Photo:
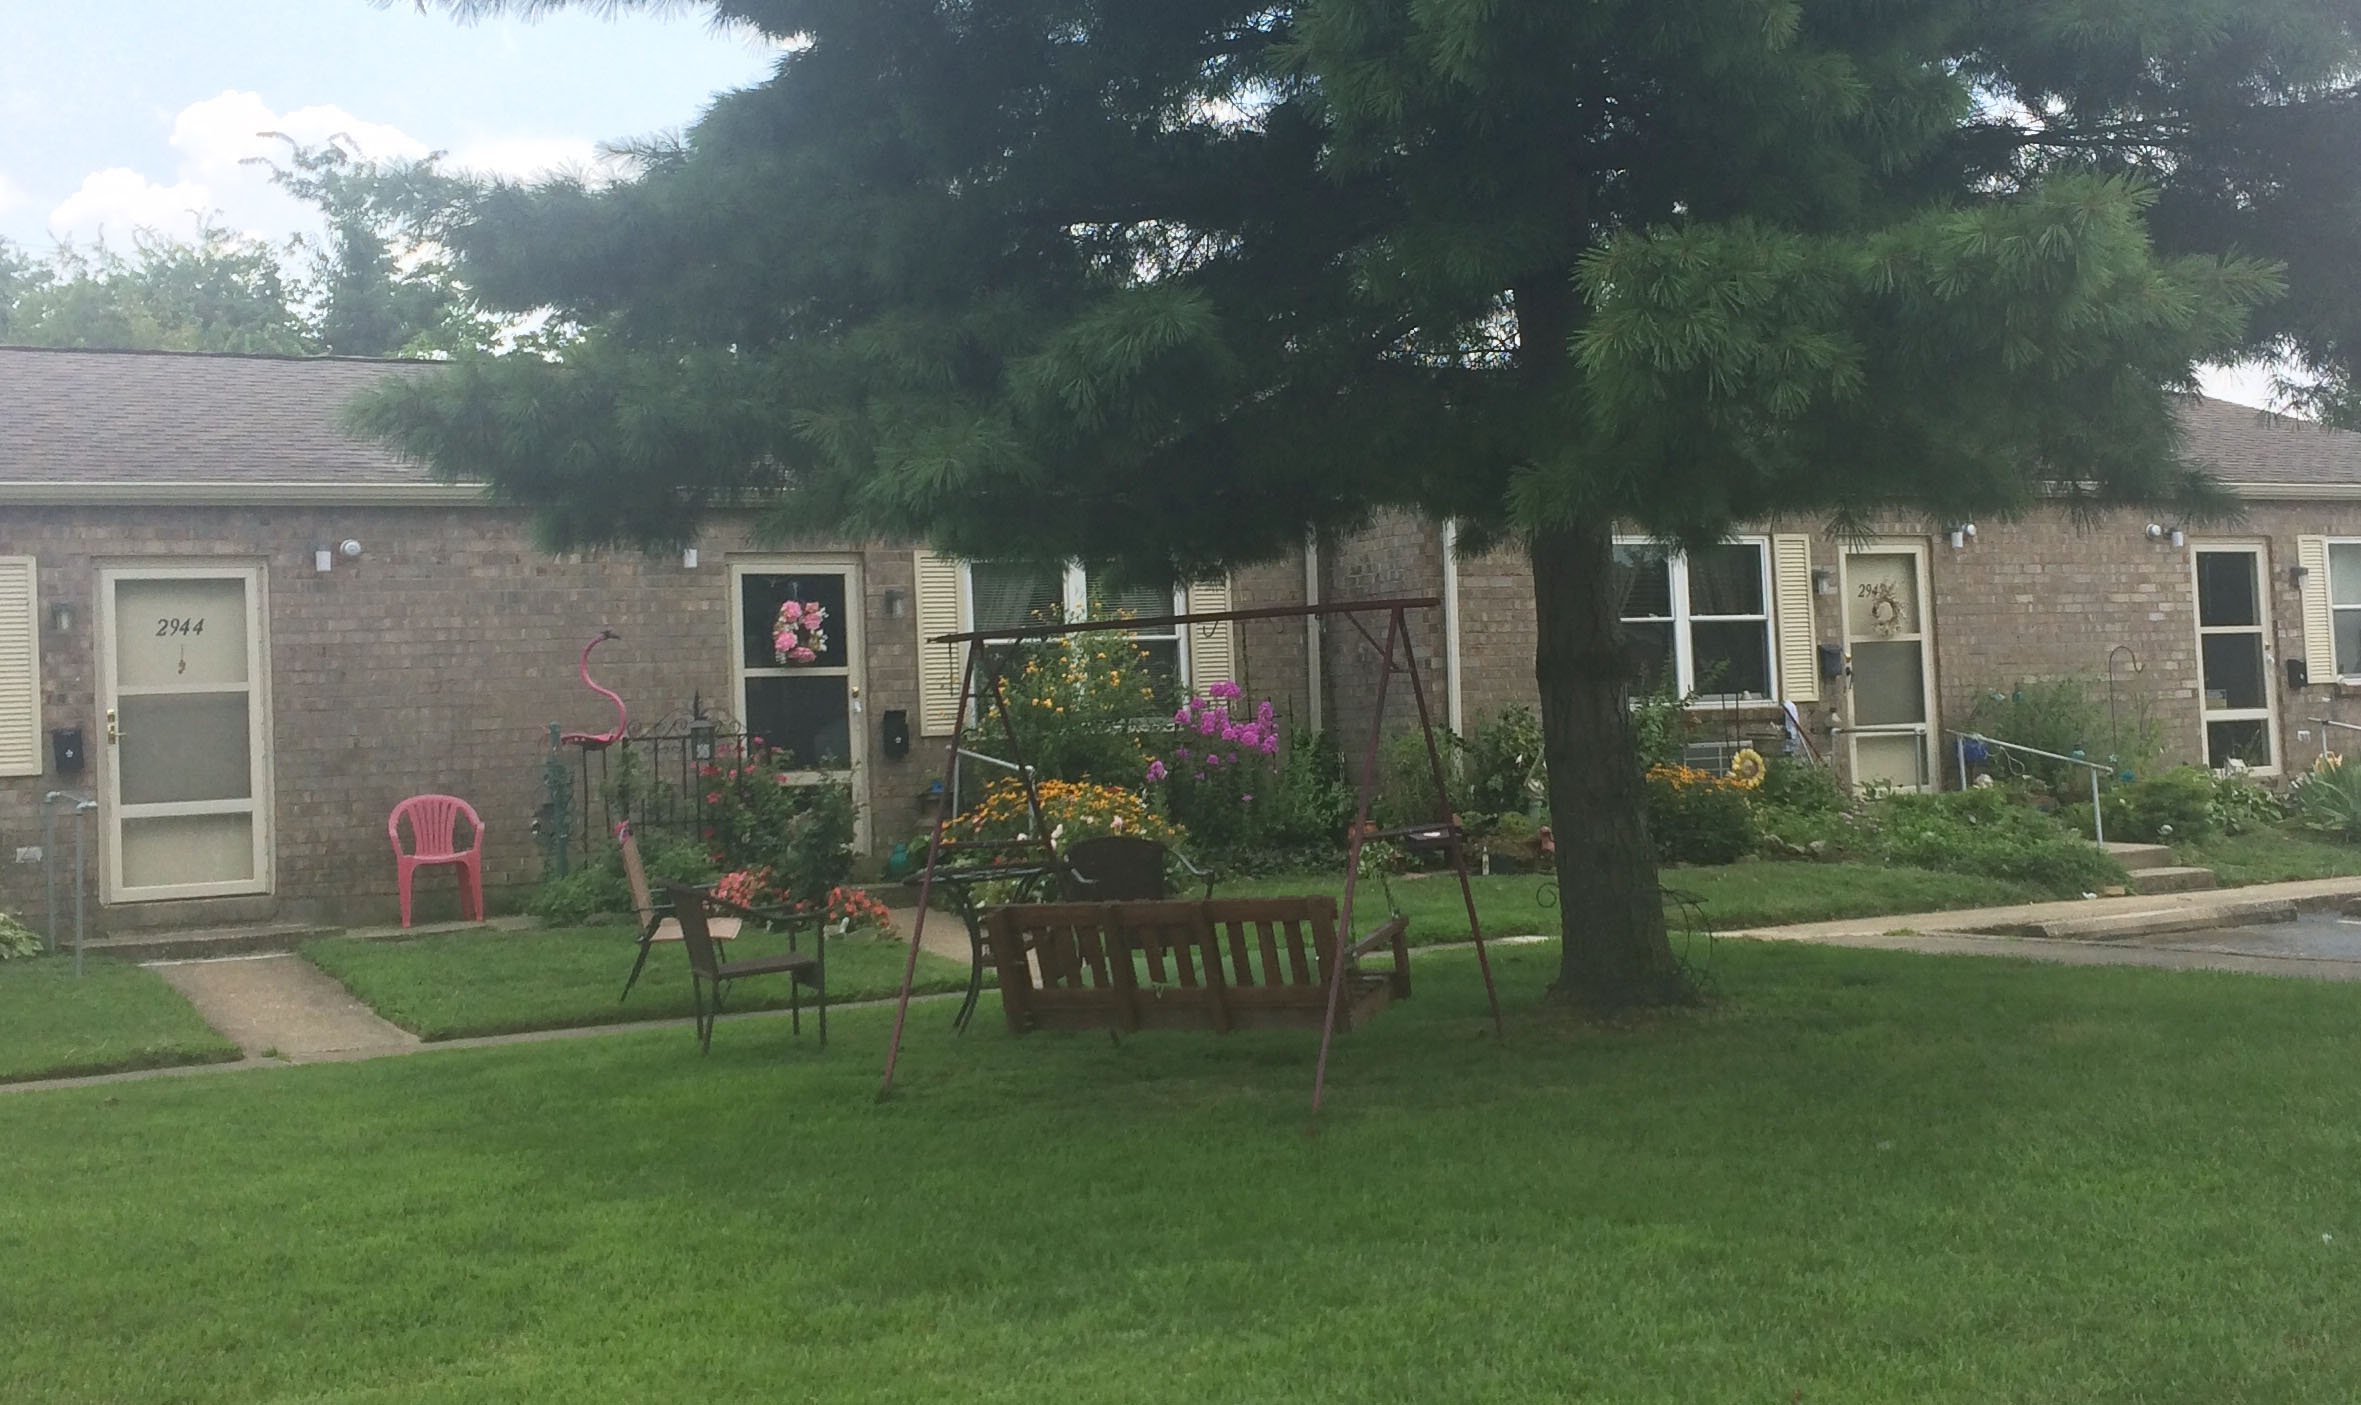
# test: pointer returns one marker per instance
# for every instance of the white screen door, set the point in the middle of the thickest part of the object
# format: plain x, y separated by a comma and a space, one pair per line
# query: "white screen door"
2235, 657
811, 710
181, 660
1890, 684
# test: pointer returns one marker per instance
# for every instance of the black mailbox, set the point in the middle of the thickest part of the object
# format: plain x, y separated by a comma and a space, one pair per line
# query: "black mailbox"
1832, 661
896, 734
67, 754
2299, 674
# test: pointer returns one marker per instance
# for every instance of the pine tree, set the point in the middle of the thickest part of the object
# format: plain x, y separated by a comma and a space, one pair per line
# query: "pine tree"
1173, 281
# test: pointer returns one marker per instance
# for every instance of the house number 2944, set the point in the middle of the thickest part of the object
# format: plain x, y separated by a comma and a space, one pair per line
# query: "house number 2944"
168, 628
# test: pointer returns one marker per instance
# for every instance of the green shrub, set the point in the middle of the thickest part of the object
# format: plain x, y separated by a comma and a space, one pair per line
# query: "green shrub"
1793, 785
2069, 716
1502, 764
2175, 804
1310, 802
1991, 832
1660, 726
2328, 798
599, 889
1810, 833
17, 939
1697, 818
2240, 806
1406, 782
754, 816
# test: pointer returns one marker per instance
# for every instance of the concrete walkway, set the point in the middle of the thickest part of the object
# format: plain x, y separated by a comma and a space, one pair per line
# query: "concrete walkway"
282, 1006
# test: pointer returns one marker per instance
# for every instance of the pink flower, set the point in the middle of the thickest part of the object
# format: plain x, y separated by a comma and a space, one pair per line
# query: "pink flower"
790, 612
1180, 753
1209, 725
801, 655
1245, 799
1156, 771
713, 797
1270, 746
1211, 759
1181, 718
1266, 714
1223, 690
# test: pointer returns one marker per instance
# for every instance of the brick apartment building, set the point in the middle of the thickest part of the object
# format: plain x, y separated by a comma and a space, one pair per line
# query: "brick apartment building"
264, 633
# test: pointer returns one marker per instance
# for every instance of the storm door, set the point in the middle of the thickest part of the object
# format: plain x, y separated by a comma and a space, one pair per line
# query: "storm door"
2234, 657
1890, 690
803, 700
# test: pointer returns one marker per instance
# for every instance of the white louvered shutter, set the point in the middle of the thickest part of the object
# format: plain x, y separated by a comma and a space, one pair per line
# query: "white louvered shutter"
20, 669
1791, 585
941, 667
1213, 649
2311, 553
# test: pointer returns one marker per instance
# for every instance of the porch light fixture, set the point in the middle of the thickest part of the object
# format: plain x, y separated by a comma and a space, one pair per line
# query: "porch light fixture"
2297, 575
61, 617
2155, 531
1823, 580
2179, 537
688, 558
701, 739
1961, 535
897, 600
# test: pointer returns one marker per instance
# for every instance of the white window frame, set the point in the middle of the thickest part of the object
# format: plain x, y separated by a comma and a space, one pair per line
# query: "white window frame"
2328, 550
1684, 649
1074, 599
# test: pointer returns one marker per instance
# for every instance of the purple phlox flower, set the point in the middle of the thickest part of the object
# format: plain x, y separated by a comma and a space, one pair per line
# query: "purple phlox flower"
1156, 771
1270, 746
1245, 799
1211, 759
1200, 775
1223, 690
1182, 718
1180, 753
1231, 732
1209, 725
1266, 714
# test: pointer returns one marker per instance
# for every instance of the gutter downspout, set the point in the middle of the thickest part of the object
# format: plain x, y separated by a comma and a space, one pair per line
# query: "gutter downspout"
1311, 629
1454, 698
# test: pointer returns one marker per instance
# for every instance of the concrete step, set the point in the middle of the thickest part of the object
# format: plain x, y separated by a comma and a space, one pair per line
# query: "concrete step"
198, 945
2139, 856
2148, 922
2172, 879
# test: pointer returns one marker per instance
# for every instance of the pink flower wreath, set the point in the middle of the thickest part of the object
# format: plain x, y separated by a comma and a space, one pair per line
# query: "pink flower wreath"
797, 636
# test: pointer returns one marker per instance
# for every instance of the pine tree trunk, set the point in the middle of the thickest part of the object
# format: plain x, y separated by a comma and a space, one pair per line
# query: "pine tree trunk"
1616, 953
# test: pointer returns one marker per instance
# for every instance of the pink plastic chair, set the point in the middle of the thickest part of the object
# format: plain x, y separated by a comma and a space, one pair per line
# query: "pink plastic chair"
434, 835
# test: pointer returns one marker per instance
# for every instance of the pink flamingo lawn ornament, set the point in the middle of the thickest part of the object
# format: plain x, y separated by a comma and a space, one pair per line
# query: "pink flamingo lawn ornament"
622, 715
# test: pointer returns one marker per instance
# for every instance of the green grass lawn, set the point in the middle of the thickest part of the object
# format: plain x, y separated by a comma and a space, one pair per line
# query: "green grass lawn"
2272, 856
115, 1016
1863, 1177
1738, 896
456, 984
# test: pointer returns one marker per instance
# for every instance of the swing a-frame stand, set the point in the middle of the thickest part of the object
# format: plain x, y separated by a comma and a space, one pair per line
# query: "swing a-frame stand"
1282, 962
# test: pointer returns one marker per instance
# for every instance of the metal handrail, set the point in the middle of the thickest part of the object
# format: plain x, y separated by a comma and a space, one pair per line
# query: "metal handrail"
2331, 722
2098, 812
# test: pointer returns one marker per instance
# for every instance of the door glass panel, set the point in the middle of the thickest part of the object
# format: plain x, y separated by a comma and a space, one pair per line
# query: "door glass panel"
810, 719
762, 596
2233, 671
1882, 595
2241, 739
2348, 642
1732, 657
1896, 759
183, 849
1889, 684
188, 746
179, 632
1726, 580
2226, 589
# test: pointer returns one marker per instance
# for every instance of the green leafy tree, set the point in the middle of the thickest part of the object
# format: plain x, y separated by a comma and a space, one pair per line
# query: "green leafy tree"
1173, 281
379, 276
218, 292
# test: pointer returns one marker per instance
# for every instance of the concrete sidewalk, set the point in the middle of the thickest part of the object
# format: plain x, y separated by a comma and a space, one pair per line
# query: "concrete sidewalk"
2216, 906
281, 1006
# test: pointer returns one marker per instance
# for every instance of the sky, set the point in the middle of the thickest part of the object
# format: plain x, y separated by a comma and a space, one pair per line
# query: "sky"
117, 115
122, 114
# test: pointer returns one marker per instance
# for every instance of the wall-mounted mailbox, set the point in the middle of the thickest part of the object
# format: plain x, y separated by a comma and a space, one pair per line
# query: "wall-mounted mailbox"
1832, 661
2299, 674
66, 750
895, 732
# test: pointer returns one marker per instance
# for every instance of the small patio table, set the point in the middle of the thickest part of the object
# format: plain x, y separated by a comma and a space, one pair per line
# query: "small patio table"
961, 883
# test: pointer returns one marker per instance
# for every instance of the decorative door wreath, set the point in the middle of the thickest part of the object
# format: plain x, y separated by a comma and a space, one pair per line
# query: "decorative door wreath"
1885, 608
797, 636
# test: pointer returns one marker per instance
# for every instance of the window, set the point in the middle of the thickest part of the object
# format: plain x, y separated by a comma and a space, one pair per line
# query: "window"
2344, 605
1699, 622
1004, 595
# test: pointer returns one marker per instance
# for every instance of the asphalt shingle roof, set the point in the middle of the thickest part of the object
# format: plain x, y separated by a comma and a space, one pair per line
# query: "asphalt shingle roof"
97, 417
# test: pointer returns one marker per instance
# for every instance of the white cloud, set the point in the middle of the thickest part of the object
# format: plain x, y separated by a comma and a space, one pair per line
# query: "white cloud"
216, 142
2247, 383
12, 196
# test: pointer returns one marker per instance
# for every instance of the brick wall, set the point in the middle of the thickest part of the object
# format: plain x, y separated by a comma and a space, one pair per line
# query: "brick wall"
434, 662
1399, 555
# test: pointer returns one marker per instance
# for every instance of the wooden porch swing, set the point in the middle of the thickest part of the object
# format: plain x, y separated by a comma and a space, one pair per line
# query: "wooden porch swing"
1216, 965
